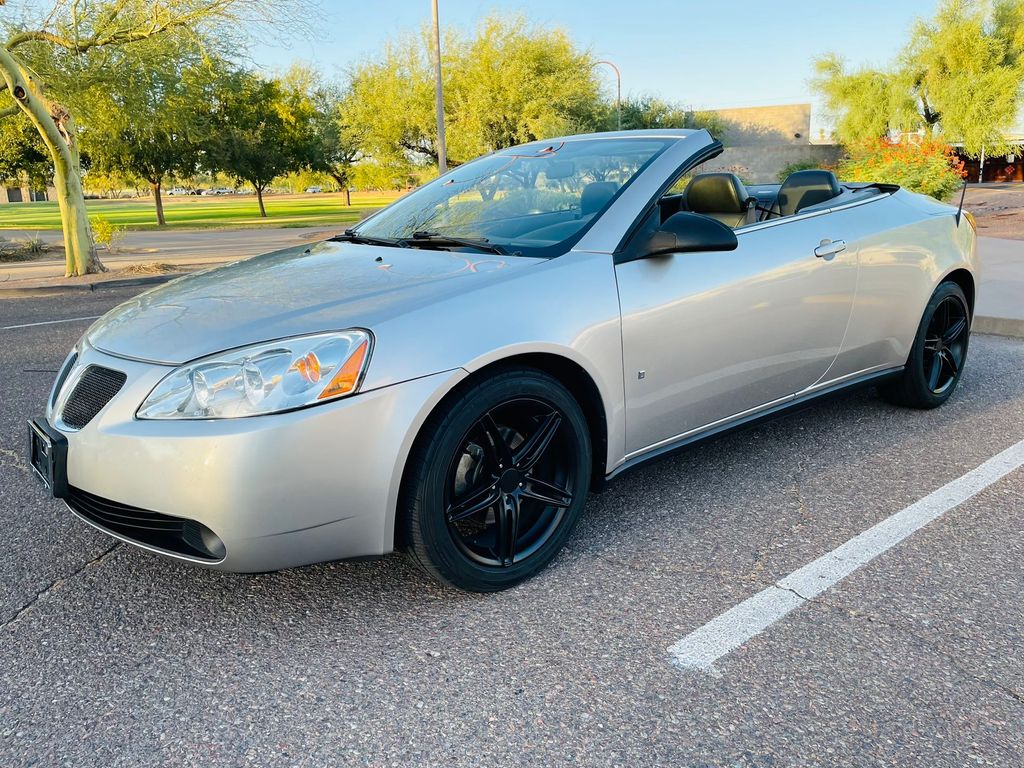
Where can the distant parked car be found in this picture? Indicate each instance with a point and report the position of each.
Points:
(177, 192)
(313, 190)
(217, 191)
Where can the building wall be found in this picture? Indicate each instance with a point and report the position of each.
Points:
(766, 126)
(11, 194)
(762, 164)
(26, 194)
(761, 141)
(1001, 168)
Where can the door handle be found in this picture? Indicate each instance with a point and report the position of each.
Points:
(829, 248)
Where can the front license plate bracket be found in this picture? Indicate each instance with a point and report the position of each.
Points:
(48, 456)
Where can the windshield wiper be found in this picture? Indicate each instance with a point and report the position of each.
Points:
(427, 239)
(351, 236)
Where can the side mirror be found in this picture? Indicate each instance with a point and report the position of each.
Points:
(686, 232)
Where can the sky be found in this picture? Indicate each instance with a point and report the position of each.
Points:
(701, 54)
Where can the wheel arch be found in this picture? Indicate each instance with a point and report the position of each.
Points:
(965, 280)
(569, 373)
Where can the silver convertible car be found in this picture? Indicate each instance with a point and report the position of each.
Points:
(451, 376)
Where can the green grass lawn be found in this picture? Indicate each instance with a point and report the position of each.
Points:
(230, 211)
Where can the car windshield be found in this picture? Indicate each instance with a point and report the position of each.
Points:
(534, 200)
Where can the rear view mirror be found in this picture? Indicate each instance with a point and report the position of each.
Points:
(559, 169)
(686, 232)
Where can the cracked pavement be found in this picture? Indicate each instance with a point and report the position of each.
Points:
(110, 656)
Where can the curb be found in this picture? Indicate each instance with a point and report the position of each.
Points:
(999, 326)
(48, 290)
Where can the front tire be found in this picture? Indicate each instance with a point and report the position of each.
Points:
(938, 354)
(497, 481)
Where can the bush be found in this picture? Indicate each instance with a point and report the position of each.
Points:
(105, 232)
(929, 167)
(32, 247)
(800, 165)
(26, 249)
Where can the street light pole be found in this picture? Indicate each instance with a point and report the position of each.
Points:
(618, 88)
(442, 151)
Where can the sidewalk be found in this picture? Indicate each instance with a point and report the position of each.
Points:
(1000, 305)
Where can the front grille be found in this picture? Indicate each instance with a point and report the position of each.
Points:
(174, 534)
(93, 391)
(62, 377)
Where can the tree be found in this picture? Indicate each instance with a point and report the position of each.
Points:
(23, 155)
(959, 77)
(155, 123)
(507, 84)
(651, 112)
(73, 36)
(338, 146)
(260, 130)
(514, 83)
(334, 141)
(112, 184)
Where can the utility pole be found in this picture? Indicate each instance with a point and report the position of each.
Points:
(442, 151)
(618, 87)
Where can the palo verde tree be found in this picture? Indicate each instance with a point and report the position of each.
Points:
(960, 77)
(43, 51)
(506, 84)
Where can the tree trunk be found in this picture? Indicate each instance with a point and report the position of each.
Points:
(154, 187)
(57, 129)
(342, 181)
(259, 197)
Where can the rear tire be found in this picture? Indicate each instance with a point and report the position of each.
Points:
(938, 354)
(497, 481)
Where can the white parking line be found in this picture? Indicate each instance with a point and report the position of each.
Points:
(725, 633)
(48, 322)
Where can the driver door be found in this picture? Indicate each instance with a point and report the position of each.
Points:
(709, 335)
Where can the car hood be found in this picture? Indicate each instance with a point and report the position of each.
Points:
(328, 286)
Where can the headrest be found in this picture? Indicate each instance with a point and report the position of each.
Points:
(716, 193)
(805, 188)
(596, 196)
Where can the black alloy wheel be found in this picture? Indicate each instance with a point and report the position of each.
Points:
(510, 483)
(501, 476)
(945, 344)
(938, 354)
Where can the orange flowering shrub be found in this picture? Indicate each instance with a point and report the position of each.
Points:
(928, 166)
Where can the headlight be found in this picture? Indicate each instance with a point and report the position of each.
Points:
(263, 378)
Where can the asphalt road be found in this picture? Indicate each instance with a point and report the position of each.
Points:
(110, 656)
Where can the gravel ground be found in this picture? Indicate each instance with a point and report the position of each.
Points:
(998, 209)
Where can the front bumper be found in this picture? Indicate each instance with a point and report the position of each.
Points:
(282, 490)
